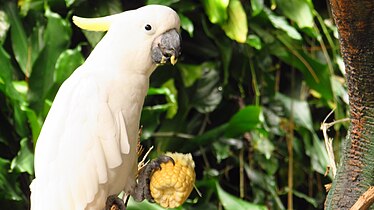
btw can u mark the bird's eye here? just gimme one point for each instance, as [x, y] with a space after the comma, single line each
[148, 27]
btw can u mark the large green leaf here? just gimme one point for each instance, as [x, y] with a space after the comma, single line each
[316, 74]
[298, 109]
[254, 41]
[236, 27]
[190, 73]
[34, 121]
[243, 121]
[24, 161]
[282, 24]
[216, 10]
[16, 100]
[102, 8]
[36, 41]
[231, 202]
[171, 98]
[186, 24]
[207, 94]
[18, 35]
[257, 6]
[262, 144]
[57, 36]
[298, 11]
[66, 63]
[6, 75]
[4, 26]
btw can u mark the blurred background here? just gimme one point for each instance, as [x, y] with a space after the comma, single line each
[247, 97]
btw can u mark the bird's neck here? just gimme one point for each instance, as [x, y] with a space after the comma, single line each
[119, 61]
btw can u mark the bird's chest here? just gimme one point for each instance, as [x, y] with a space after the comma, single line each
[127, 97]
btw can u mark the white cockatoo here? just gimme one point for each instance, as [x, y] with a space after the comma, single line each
[87, 148]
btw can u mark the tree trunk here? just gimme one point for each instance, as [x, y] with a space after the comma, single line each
[355, 22]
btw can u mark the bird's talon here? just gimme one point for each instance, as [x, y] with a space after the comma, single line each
[164, 159]
[114, 203]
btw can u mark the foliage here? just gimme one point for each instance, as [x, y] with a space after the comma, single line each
[253, 83]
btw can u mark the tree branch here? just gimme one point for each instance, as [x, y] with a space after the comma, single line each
[365, 200]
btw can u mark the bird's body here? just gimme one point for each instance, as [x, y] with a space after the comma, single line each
[86, 150]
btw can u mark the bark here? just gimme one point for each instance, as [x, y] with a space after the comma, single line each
[355, 22]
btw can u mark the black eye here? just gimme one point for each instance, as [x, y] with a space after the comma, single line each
[148, 27]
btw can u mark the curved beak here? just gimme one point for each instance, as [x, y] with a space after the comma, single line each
[166, 47]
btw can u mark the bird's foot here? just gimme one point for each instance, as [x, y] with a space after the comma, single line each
[142, 190]
[113, 202]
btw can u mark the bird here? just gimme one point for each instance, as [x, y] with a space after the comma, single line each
[86, 150]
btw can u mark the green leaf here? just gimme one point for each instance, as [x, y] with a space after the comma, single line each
[216, 10]
[34, 122]
[281, 23]
[207, 93]
[310, 200]
[162, 2]
[69, 2]
[243, 121]
[190, 73]
[67, 62]
[339, 90]
[18, 35]
[206, 138]
[298, 11]
[168, 89]
[102, 8]
[236, 27]
[254, 41]
[4, 26]
[158, 91]
[221, 150]
[230, 202]
[57, 35]
[257, 6]
[6, 75]
[186, 24]
[24, 161]
[266, 182]
[6, 85]
[319, 157]
[171, 98]
[93, 37]
[299, 109]
[262, 144]
[316, 74]
[150, 120]
[9, 187]
[36, 42]
[132, 205]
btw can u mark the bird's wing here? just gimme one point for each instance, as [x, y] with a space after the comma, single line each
[80, 141]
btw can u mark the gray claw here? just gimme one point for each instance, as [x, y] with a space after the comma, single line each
[142, 190]
[113, 200]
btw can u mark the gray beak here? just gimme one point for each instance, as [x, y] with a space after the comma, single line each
[166, 47]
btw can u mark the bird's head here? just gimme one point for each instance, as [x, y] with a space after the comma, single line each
[150, 34]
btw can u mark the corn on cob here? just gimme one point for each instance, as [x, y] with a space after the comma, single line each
[171, 185]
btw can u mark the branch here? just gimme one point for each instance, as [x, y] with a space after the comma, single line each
[365, 200]
[173, 135]
[328, 141]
